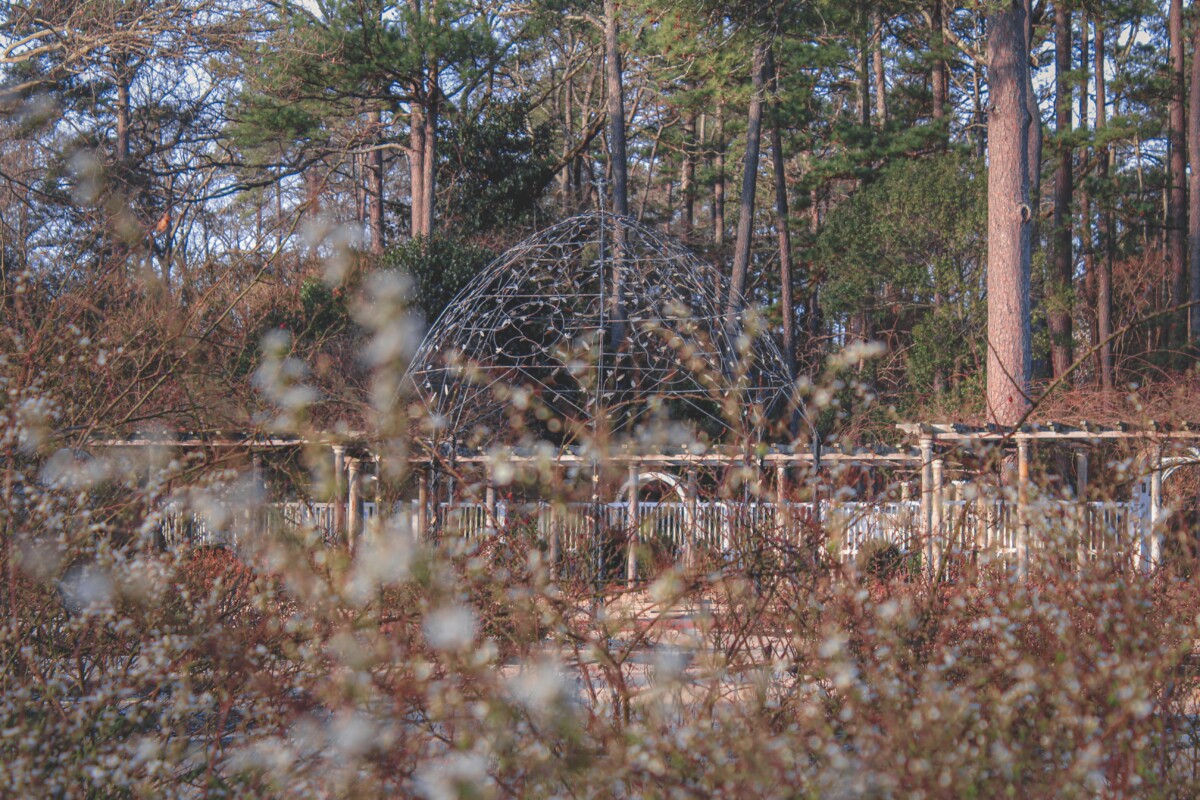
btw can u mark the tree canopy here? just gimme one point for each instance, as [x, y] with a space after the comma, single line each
[203, 159]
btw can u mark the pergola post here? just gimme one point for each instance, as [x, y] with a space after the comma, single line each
[556, 525]
[596, 548]
[354, 483]
[339, 491]
[632, 523]
[926, 528]
[1022, 507]
[256, 474]
[259, 518]
[693, 519]
[904, 515]
[1083, 517]
[937, 524]
[381, 512]
[783, 513]
[1153, 544]
[983, 530]
[422, 504]
[815, 475]
[489, 499]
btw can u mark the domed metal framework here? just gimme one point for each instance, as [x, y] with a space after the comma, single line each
[596, 320]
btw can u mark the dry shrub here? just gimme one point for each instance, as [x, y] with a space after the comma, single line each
[290, 668]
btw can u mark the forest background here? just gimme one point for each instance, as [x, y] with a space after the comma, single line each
[175, 177]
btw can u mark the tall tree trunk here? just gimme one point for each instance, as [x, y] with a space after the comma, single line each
[650, 174]
[1034, 166]
[375, 183]
[359, 177]
[718, 206]
[814, 316]
[745, 230]
[1064, 262]
[1193, 138]
[1008, 217]
[1034, 143]
[616, 110]
[416, 165]
[1104, 263]
[122, 154]
[1085, 203]
[687, 187]
[881, 109]
[1177, 206]
[566, 119]
[786, 302]
[122, 235]
[938, 77]
[429, 163]
[314, 184]
[979, 118]
[619, 167]
[864, 72]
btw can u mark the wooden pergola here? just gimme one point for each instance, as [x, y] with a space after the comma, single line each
[1163, 449]
[924, 449]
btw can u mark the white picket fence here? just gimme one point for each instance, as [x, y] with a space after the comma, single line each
[1097, 529]
[222, 527]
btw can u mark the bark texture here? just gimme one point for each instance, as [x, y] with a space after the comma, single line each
[1033, 163]
[416, 170]
[864, 73]
[375, 184]
[1086, 243]
[1104, 262]
[1009, 217]
[718, 204]
[783, 232]
[937, 44]
[615, 88]
[687, 185]
[881, 109]
[1193, 138]
[1059, 316]
[1177, 139]
[745, 231]
[616, 110]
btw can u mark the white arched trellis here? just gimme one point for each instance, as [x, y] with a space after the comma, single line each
[684, 488]
[1157, 468]
[1172, 464]
[672, 482]
[681, 487]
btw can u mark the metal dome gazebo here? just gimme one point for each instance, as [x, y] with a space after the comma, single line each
[594, 321]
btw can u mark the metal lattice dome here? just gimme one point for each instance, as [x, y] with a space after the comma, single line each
[596, 318]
